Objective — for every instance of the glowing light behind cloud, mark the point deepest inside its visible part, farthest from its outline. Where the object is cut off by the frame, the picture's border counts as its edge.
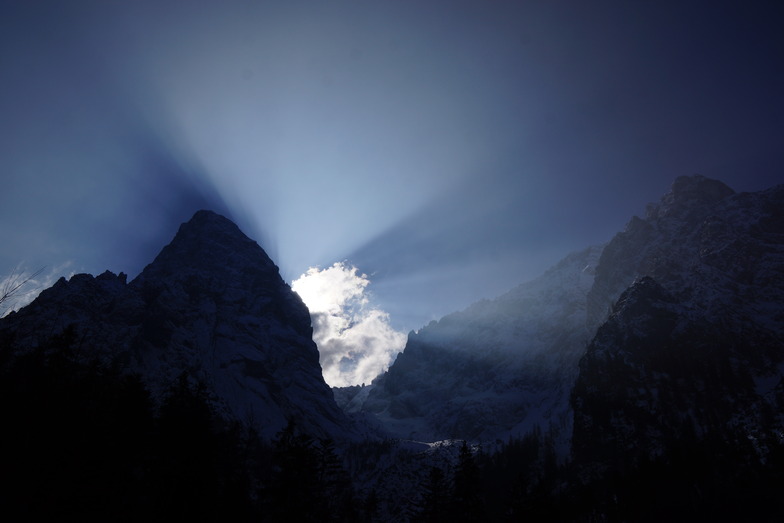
(290, 112)
(355, 340)
(452, 151)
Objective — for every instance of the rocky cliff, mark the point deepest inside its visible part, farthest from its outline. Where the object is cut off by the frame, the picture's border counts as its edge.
(211, 305)
(680, 316)
(694, 347)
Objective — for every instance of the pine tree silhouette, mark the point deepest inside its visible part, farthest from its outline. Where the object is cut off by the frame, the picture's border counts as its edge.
(467, 504)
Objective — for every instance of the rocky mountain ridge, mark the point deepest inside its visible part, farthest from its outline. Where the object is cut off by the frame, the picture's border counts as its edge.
(504, 366)
(651, 364)
(468, 375)
(694, 347)
(212, 305)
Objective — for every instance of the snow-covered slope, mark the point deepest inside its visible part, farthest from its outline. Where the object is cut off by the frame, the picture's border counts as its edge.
(503, 366)
(683, 307)
(694, 348)
(212, 305)
(496, 369)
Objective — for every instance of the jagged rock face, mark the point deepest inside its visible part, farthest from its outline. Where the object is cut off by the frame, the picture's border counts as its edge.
(654, 246)
(212, 304)
(682, 315)
(713, 293)
(496, 369)
(695, 347)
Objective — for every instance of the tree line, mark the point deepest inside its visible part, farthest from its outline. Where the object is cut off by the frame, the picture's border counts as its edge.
(81, 439)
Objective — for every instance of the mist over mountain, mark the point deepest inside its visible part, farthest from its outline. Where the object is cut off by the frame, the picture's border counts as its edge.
(657, 356)
(497, 369)
(502, 366)
(654, 362)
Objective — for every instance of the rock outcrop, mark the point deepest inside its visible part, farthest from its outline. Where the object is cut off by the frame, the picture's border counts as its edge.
(211, 305)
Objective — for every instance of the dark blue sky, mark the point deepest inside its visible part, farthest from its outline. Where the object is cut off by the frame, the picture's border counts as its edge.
(450, 150)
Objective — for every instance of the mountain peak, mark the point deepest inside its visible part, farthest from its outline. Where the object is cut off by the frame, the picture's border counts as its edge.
(210, 230)
(212, 305)
(207, 220)
(690, 195)
(699, 187)
(210, 244)
(210, 256)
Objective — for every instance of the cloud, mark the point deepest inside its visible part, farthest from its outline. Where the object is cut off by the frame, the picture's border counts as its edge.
(355, 339)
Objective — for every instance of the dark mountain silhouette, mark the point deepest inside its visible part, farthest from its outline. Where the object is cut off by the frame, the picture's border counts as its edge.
(212, 305)
(642, 380)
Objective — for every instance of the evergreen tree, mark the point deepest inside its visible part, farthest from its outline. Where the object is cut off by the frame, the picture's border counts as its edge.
(435, 498)
(370, 507)
(467, 503)
(293, 491)
(335, 489)
(76, 436)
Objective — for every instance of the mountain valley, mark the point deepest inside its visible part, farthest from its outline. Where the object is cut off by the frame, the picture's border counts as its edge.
(652, 363)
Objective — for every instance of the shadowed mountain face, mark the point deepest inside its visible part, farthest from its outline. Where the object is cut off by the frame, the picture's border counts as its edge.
(211, 305)
(653, 363)
(677, 313)
(496, 369)
(705, 263)
(694, 348)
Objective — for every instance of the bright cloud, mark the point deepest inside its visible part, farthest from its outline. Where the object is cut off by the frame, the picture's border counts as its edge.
(355, 340)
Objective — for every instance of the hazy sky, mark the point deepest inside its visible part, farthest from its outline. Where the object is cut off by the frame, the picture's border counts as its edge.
(447, 150)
